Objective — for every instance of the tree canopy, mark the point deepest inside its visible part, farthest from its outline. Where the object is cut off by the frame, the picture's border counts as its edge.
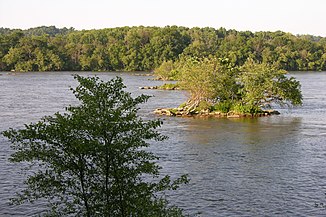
(92, 160)
(146, 48)
(217, 84)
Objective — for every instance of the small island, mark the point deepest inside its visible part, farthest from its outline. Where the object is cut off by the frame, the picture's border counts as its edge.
(184, 112)
(218, 88)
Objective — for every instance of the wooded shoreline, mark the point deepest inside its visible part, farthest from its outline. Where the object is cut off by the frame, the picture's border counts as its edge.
(146, 48)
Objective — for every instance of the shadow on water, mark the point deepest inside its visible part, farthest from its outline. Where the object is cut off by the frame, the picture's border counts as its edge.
(259, 131)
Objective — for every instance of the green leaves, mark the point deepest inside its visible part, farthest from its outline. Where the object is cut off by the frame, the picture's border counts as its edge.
(245, 89)
(264, 84)
(93, 158)
(146, 48)
(209, 79)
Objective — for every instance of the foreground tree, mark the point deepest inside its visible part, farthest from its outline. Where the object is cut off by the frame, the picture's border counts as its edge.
(92, 160)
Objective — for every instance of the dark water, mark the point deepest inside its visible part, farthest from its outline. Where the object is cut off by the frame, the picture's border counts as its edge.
(271, 166)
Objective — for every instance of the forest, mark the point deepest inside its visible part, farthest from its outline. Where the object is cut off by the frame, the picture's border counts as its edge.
(146, 48)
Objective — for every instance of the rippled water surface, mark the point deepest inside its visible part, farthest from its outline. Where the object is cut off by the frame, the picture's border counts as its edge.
(270, 166)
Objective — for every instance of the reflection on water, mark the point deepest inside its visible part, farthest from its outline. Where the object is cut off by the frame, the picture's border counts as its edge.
(253, 131)
(235, 162)
(269, 166)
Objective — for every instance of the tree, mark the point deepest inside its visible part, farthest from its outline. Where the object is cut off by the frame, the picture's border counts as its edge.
(166, 71)
(196, 77)
(264, 85)
(92, 160)
(209, 80)
(219, 85)
(204, 42)
(33, 54)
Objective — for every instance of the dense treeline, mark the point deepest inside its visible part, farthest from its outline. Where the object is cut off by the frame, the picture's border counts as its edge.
(145, 48)
(49, 30)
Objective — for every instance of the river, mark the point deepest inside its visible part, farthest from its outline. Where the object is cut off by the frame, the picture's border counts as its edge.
(269, 166)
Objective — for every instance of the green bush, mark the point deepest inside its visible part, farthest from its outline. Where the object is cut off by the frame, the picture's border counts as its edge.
(169, 86)
(167, 71)
(204, 105)
(224, 106)
(245, 109)
(182, 105)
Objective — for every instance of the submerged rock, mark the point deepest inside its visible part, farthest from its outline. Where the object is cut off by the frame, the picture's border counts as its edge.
(162, 111)
(148, 87)
(272, 112)
(159, 87)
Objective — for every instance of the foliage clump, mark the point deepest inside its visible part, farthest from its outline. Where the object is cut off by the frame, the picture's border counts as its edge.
(215, 84)
(170, 86)
(92, 160)
(167, 71)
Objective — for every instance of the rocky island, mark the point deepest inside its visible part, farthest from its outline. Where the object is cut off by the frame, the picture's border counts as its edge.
(217, 88)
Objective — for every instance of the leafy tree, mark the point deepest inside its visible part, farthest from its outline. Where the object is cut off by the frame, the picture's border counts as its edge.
(136, 40)
(216, 83)
(196, 77)
(74, 49)
(263, 85)
(33, 54)
(204, 42)
(49, 30)
(168, 43)
(92, 160)
(210, 79)
(167, 71)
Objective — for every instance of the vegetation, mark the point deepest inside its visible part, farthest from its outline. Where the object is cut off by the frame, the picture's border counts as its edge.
(146, 48)
(167, 71)
(217, 85)
(169, 86)
(247, 75)
(92, 160)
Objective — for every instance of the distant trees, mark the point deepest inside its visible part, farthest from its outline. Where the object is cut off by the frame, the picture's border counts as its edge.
(48, 30)
(146, 48)
(92, 160)
(8, 41)
(38, 31)
(33, 54)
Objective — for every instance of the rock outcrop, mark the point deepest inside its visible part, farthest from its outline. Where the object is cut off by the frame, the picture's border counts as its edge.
(181, 112)
(148, 87)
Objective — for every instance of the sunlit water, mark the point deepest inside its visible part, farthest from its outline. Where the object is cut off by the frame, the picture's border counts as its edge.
(270, 166)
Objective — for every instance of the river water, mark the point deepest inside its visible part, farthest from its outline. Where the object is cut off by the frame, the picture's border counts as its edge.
(269, 166)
